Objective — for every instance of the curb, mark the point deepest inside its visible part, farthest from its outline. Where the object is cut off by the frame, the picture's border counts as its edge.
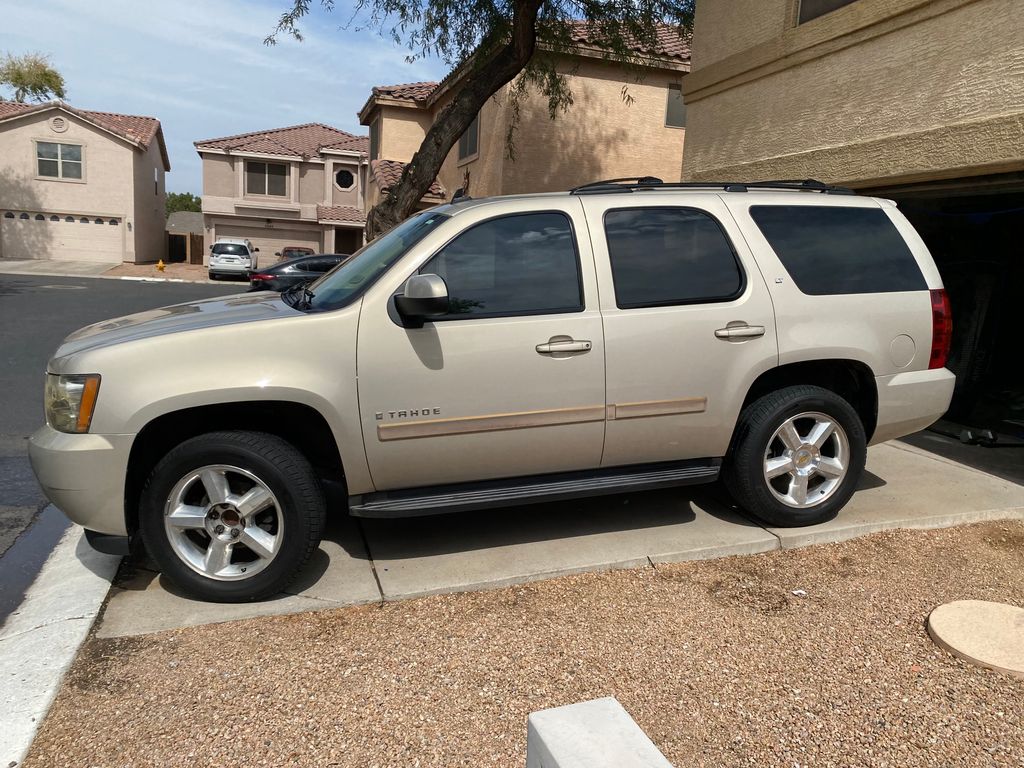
(40, 640)
(131, 278)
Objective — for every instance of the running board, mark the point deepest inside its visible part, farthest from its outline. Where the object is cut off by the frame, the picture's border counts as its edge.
(533, 490)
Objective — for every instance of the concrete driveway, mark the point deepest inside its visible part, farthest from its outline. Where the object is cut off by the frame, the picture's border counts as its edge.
(366, 561)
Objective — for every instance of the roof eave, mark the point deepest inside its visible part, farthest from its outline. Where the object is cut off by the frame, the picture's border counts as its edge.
(244, 153)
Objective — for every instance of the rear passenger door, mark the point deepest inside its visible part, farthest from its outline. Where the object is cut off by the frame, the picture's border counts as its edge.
(688, 324)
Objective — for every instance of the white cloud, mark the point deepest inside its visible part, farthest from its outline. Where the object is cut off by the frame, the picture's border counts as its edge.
(201, 67)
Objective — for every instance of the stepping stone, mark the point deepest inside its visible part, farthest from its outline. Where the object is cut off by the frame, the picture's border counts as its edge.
(990, 635)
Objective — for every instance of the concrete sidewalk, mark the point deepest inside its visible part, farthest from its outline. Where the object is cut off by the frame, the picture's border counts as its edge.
(178, 273)
(364, 561)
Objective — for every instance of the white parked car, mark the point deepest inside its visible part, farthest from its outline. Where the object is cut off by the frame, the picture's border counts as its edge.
(620, 337)
(231, 256)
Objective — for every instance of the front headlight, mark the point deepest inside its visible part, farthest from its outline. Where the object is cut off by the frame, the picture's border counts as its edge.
(71, 400)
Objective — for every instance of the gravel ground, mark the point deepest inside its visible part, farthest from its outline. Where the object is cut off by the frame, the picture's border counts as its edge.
(718, 661)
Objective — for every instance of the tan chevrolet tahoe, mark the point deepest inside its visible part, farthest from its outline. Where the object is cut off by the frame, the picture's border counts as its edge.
(626, 335)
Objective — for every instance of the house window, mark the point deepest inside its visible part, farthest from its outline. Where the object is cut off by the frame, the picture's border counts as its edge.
(266, 178)
(470, 141)
(675, 114)
(59, 161)
(812, 9)
(344, 179)
(375, 139)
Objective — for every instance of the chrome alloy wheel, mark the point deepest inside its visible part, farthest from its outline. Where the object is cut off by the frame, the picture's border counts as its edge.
(806, 460)
(223, 522)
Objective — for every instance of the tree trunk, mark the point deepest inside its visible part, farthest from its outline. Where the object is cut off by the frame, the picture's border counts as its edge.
(483, 81)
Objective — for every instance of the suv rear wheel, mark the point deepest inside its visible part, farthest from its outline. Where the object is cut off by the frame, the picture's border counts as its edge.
(798, 456)
(232, 516)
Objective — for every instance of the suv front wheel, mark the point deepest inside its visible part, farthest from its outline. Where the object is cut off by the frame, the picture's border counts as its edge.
(232, 516)
(798, 456)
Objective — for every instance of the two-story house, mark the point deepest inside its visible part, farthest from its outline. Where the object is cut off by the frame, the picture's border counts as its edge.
(80, 185)
(622, 122)
(919, 101)
(303, 185)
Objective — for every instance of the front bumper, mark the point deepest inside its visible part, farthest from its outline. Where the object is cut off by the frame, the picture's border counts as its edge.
(83, 475)
(909, 402)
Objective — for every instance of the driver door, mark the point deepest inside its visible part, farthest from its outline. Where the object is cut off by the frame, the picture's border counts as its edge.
(492, 389)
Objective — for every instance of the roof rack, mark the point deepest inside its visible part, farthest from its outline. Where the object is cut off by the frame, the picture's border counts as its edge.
(645, 183)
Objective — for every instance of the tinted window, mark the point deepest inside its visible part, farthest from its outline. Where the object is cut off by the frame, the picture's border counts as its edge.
(665, 256)
(320, 265)
(469, 142)
(812, 9)
(675, 114)
(839, 250)
(230, 249)
(511, 266)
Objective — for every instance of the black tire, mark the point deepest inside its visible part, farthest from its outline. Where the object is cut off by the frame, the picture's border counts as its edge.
(281, 468)
(744, 470)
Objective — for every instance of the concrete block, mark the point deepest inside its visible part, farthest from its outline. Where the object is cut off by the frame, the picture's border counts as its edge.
(591, 734)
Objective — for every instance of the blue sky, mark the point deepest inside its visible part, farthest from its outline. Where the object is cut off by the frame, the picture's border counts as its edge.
(201, 67)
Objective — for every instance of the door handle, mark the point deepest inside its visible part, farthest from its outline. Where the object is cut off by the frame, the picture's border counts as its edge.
(567, 345)
(740, 332)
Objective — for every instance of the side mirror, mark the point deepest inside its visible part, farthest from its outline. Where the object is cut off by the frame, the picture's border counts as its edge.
(276, 253)
(423, 296)
(255, 250)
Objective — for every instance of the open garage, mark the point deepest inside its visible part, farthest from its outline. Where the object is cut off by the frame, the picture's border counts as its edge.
(973, 227)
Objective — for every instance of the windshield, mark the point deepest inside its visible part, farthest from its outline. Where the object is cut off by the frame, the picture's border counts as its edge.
(357, 273)
(230, 249)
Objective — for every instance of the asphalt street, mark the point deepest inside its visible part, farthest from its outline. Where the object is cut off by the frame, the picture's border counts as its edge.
(36, 313)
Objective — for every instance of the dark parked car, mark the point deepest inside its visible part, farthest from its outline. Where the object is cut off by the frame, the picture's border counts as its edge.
(287, 274)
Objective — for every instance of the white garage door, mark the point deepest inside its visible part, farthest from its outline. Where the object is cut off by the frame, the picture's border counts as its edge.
(270, 241)
(67, 238)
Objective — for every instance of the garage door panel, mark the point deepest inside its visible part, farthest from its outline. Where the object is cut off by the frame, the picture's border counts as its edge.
(61, 240)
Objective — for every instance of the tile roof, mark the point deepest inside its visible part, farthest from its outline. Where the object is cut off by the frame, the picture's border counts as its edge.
(669, 43)
(359, 144)
(406, 91)
(136, 128)
(342, 213)
(387, 173)
(304, 140)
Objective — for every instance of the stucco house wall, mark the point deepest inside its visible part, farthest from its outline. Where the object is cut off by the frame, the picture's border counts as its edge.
(601, 136)
(219, 176)
(402, 129)
(877, 92)
(311, 183)
(149, 230)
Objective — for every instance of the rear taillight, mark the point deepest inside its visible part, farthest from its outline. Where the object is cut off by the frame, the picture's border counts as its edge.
(261, 277)
(942, 329)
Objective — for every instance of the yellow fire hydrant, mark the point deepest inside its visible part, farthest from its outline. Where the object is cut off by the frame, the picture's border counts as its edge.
(160, 266)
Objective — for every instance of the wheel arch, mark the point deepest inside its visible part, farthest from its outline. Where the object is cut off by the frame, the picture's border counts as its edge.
(852, 380)
(299, 424)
